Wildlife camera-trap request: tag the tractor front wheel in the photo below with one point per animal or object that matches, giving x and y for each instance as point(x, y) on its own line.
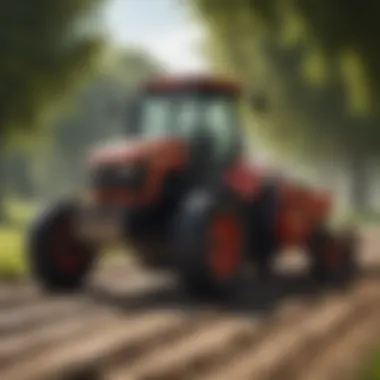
point(210, 246)
point(57, 259)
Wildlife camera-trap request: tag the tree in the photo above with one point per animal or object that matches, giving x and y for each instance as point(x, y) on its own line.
point(98, 115)
point(268, 45)
point(46, 47)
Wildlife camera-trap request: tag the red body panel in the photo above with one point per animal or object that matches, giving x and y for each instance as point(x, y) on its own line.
point(247, 178)
point(162, 156)
point(191, 82)
point(300, 211)
point(243, 179)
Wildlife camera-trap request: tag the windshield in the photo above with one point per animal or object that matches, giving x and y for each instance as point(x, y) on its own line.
point(187, 116)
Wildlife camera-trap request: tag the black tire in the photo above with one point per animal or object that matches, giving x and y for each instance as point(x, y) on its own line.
point(192, 246)
point(262, 222)
point(57, 261)
point(340, 270)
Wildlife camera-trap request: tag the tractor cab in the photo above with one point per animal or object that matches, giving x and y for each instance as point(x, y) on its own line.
point(175, 128)
point(200, 112)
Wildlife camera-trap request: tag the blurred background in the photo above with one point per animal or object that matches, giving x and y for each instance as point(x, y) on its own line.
point(68, 68)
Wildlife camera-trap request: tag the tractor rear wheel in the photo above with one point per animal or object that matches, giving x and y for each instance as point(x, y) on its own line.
point(210, 245)
point(58, 261)
point(334, 257)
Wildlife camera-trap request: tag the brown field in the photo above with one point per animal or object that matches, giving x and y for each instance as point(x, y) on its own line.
point(132, 324)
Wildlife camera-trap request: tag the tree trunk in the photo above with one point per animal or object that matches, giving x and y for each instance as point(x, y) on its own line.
point(359, 177)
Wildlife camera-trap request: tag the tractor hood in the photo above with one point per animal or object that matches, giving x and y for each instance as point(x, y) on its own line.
point(123, 152)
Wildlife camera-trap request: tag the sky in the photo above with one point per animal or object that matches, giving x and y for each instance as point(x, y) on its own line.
point(163, 27)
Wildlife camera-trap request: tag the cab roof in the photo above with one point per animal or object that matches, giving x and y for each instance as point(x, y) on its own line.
point(193, 82)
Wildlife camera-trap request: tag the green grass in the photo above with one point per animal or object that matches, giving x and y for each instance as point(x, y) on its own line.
point(12, 263)
point(20, 212)
point(371, 368)
point(12, 234)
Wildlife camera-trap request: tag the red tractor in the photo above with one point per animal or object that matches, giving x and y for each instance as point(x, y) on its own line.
point(179, 188)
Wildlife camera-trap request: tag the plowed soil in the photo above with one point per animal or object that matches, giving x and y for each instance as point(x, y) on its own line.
point(133, 324)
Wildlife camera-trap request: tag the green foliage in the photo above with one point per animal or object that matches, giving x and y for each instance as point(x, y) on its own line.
point(371, 368)
point(317, 83)
point(97, 114)
point(12, 262)
point(132, 66)
point(46, 47)
point(337, 32)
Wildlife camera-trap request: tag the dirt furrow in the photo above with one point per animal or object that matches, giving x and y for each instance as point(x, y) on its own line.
point(296, 359)
point(196, 352)
point(125, 339)
point(188, 354)
point(125, 333)
point(340, 360)
point(269, 359)
point(23, 344)
point(26, 318)
point(17, 295)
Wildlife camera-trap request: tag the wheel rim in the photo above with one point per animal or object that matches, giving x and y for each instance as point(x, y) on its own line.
point(225, 245)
